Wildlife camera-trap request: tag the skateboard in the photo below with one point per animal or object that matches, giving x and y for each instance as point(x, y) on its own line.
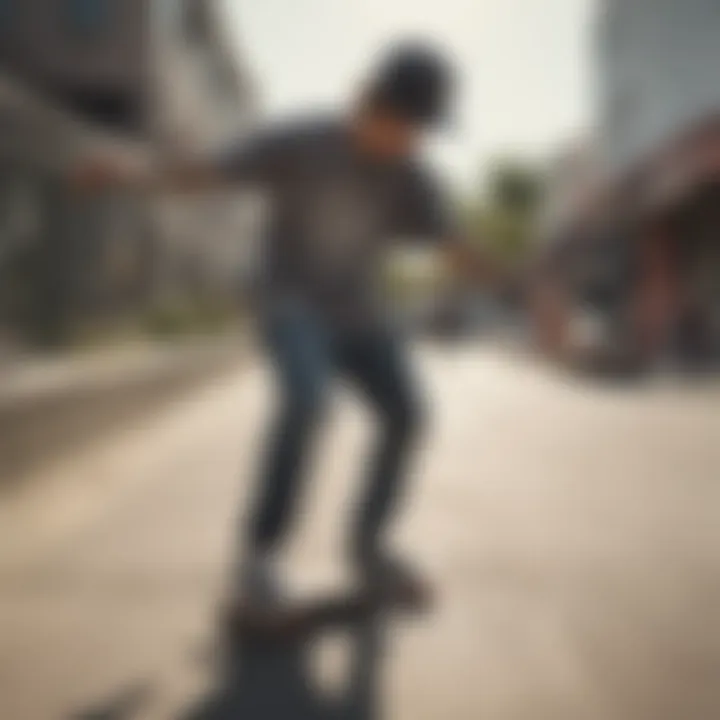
point(343, 609)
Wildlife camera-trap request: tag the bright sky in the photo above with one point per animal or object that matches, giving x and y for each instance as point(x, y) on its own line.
point(523, 64)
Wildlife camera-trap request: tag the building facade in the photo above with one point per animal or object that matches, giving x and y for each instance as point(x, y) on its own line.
point(90, 55)
point(135, 65)
point(656, 74)
point(153, 77)
point(202, 98)
point(659, 112)
point(656, 216)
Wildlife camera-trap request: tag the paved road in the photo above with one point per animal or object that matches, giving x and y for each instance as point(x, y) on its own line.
point(572, 531)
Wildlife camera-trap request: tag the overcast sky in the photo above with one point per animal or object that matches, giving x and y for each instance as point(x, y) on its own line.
point(523, 64)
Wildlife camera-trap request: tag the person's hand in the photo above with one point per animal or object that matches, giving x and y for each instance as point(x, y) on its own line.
point(469, 263)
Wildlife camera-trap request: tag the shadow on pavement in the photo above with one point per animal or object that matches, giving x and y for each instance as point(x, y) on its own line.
point(275, 680)
point(125, 705)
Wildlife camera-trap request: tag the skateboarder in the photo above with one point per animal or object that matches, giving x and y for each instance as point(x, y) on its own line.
point(340, 190)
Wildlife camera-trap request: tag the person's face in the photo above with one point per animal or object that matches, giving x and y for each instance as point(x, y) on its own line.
point(385, 136)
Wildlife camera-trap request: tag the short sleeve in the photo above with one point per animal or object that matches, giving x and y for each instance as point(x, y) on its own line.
point(261, 159)
point(423, 211)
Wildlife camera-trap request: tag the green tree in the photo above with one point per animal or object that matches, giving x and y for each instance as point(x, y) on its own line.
point(502, 217)
point(515, 186)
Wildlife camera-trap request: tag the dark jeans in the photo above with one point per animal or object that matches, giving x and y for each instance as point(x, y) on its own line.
point(307, 354)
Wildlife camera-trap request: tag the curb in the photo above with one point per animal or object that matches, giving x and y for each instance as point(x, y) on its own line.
point(59, 406)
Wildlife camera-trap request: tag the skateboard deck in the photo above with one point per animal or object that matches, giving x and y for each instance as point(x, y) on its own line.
point(342, 609)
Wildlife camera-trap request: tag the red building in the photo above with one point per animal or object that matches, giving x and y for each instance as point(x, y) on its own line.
point(640, 254)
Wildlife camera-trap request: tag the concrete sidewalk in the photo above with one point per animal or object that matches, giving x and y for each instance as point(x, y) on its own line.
point(570, 530)
point(50, 405)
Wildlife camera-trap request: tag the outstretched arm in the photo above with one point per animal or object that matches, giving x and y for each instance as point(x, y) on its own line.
point(102, 171)
point(426, 215)
point(256, 161)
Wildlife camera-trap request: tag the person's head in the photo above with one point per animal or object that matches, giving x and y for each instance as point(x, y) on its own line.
point(408, 94)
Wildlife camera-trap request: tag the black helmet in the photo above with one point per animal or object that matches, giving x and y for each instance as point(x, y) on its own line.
point(415, 82)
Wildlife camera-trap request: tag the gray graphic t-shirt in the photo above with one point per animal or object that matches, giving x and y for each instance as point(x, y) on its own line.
point(333, 214)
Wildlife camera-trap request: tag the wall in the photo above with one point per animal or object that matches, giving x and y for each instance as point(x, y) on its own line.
point(203, 100)
point(60, 265)
point(572, 178)
point(657, 70)
point(81, 51)
point(66, 260)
